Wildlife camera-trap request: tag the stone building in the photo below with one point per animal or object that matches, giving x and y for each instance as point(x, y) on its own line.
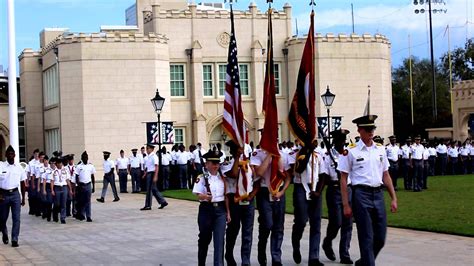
point(92, 91)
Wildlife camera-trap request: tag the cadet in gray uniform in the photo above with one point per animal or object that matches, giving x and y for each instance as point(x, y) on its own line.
point(134, 168)
point(12, 176)
point(367, 165)
point(109, 178)
point(60, 186)
point(214, 211)
point(151, 175)
point(85, 187)
point(336, 217)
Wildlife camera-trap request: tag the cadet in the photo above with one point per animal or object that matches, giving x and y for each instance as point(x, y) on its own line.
point(134, 168)
point(393, 154)
point(85, 181)
point(271, 208)
point(122, 171)
point(307, 201)
point(47, 191)
point(442, 152)
point(416, 161)
point(44, 170)
point(336, 218)
point(38, 172)
point(165, 167)
point(151, 175)
point(213, 209)
point(426, 165)
point(367, 165)
point(32, 189)
point(109, 178)
point(71, 201)
point(12, 176)
point(60, 185)
point(238, 177)
point(406, 155)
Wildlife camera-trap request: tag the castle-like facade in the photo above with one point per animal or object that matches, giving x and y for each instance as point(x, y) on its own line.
point(92, 91)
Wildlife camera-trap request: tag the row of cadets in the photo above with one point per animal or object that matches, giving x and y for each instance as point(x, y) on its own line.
point(12, 177)
point(109, 178)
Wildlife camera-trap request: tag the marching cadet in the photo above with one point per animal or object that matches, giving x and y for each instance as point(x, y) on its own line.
point(33, 201)
point(336, 218)
point(71, 201)
point(405, 156)
point(367, 165)
point(42, 173)
point(85, 182)
point(307, 201)
point(240, 194)
point(38, 171)
point(393, 154)
point(271, 207)
point(47, 195)
point(60, 185)
point(151, 175)
point(134, 168)
point(142, 180)
point(122, 171)
point(416, 162)
point(12, 176)
point(109, 178)
point(210, 189)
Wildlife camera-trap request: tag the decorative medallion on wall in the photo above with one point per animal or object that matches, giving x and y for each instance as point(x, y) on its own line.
point(223, 39)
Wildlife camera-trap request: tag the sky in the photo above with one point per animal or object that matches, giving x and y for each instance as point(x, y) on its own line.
point(396, 19)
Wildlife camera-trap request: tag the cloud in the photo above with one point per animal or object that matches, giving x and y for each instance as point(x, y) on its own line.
point(401, 17)
point(75, 3)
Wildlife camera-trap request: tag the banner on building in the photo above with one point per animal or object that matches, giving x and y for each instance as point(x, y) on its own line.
point(167, 133)
point(322, 121)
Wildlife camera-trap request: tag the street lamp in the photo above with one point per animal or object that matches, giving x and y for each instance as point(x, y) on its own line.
point(158, 103)
point(328, 99)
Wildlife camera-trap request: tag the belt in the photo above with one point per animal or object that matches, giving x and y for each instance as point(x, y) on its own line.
point(417, 160)
point(8, 190)
point(367, 188)
point(392, 161)
point(60, 186)
point(83, 184)
point(214, 204)
point(135, 167)
point(122, 170)
point(334, 183)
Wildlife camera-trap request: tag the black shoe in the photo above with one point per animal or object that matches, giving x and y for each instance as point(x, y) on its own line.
point(89, 219)
point(229, 258)
point(38, 214)
point(79, 217)
point(15, 244)
point(163, 205)
point(297, 256)
point(277, 263)
point(145, 209)
point(358, 262)
point(329, 252)
point(55, 220)
point(48, 219)
point(315, 262)
point(116, 199)
point(63, 221)
point(5, 239)
point(100, 200)
point(346, 261)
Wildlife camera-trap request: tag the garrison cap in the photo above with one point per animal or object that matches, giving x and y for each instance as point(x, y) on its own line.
point(378, 139)
point(213, 156)
point(365, 121)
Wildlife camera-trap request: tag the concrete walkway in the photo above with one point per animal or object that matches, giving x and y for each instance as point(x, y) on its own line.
point(121, 234)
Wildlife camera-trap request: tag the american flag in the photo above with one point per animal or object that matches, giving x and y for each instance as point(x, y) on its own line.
point(167, 133)
point(336, 123)
point(233, 118)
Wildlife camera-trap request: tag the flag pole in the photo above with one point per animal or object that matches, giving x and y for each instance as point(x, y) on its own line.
point(12, 84)
point(411, 80)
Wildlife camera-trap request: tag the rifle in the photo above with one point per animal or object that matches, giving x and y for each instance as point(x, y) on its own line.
point(328, 147)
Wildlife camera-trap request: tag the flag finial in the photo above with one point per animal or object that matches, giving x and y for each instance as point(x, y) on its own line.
point(230, 1)
point(312, 3)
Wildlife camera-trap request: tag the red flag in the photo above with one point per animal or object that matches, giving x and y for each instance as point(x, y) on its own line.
point(302, 119)
point(233, 118)
point(269, 140)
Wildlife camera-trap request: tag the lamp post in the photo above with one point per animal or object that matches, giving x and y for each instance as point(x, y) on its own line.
point(328, 99)
point(158, 103)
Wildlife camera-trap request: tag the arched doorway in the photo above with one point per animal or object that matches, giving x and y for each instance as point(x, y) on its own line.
point(218, 136)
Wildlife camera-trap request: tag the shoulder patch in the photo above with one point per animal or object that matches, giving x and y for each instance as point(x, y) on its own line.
point(254, 153)
point(197, 180)
point(345, 152)
point(378, 144)
point(352, 145)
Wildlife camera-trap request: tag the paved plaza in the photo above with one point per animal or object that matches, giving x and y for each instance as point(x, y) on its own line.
point(121, 234)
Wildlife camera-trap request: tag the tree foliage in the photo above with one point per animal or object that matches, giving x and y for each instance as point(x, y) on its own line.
point(462, 61)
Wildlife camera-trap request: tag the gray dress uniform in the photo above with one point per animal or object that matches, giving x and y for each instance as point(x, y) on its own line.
point(10, 177)
point(84, 173)
point(109, 178)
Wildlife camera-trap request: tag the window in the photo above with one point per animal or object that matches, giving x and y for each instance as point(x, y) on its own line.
point(51, 86)
point(177, 80)
point(178, 135)
point(276, 69)
point(244, 79)
point(222, 75)
point(53, 139)
point(207, 83)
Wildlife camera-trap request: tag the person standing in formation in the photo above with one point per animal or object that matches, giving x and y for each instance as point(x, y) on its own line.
point(134, 168)
point(393, 155)
point(109, 178)
point(47, 191)
point(60, 186)
point(71, 201)
point(122, 171)
point(85, 187)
